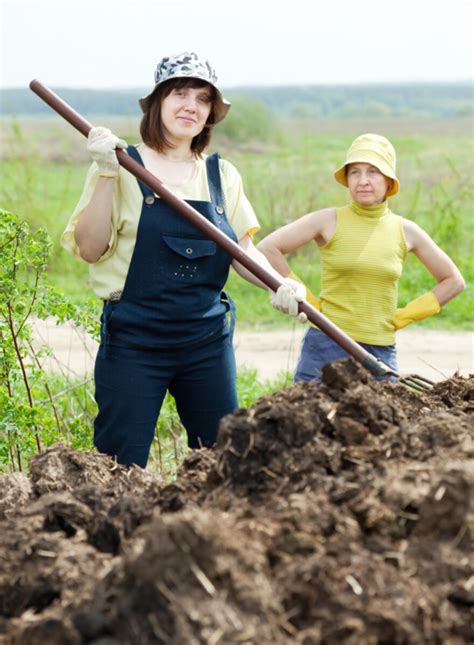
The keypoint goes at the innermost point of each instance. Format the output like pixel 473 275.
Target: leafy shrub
pixel 248 121
pixel 31 415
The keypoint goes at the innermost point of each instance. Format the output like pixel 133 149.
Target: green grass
pixel 43 170
pixel 45 162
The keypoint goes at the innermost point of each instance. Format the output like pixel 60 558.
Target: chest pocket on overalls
pixel 189 258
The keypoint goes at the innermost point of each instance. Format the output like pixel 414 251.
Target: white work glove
pixel 287 297
pixel 101 144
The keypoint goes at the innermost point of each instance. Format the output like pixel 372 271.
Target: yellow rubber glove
pixel 310 297
pixel 422 307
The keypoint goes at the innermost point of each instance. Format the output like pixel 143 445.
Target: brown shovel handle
pixel 212 232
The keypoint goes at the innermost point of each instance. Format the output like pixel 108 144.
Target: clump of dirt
pixel 456 392
pixel 16 492
pixel 69 470
pixel 339 512
pixel 191 577
pixel 72 514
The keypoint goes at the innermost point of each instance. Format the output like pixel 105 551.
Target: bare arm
pixel 439 264
pixel 93 228
pixel 248 246
pixel 318 226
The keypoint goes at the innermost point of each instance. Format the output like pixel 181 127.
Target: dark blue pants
pixel 131 384
pixel 318 349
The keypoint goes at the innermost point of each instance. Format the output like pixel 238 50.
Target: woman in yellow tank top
pixel 363 246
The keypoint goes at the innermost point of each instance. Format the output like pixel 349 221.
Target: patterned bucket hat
pixel 375 150
pixel 188 65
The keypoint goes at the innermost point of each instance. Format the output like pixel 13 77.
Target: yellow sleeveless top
pixel 361 267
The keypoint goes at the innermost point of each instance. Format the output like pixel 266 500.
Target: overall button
pixel 189 250
pixel 149 200
pixel 219 210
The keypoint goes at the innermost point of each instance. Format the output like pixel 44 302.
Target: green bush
pixel 248 121
pixel 31 415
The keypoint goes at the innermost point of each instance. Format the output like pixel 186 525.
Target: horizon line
pixel 139 88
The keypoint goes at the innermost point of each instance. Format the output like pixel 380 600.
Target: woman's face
pixel 184 112
pixel 367 185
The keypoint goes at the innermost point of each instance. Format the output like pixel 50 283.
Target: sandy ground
pixel 434 354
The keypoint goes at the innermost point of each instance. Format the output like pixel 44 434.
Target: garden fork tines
pixel 412 381
pixel 417 382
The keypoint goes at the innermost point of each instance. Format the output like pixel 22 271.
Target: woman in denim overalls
pixel 167 323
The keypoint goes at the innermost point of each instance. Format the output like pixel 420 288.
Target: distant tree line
pixel 325 101
pixel 374 100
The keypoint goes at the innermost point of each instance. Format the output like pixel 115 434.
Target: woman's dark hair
pixel 151 128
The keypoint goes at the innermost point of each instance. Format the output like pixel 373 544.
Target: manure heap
pixel 333 513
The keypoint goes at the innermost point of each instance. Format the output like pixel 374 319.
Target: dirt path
pixel 434 354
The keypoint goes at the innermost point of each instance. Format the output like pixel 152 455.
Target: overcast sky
pixel 114 44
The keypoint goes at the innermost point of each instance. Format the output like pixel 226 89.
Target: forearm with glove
pixel 292 292
pixel 287 297
pixel 92 233
pixel 422 307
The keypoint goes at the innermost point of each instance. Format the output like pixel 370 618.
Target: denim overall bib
pixel 169 331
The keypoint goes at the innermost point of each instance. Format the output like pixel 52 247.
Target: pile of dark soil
pixel 334 513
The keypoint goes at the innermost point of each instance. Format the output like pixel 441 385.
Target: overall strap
pixel 133 152
pixel 214 182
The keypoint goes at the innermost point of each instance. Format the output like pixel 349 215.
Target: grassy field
pixel 44 165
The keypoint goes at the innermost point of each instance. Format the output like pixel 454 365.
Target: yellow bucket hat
pixel 373 149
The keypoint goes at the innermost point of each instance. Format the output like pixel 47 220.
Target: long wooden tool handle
pixel 212 232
